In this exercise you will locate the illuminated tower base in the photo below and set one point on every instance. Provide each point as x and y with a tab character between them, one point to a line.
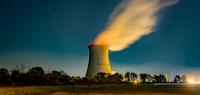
98	60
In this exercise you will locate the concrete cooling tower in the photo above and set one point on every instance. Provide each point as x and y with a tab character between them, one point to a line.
98	60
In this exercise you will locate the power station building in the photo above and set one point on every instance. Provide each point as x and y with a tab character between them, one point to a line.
98	60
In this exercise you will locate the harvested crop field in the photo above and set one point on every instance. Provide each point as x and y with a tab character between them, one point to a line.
103	90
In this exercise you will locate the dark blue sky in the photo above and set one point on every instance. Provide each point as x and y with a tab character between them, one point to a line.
55	34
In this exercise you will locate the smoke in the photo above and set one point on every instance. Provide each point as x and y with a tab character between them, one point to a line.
131	20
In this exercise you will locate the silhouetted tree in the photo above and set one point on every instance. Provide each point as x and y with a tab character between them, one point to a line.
146	78
56	78
4	76
156	79
149	78
130	76
16	77
20	68
159	79
101	76
183	78
143	78
115	78
127	76
52	78
162	78
75	80
133	76
85	79
36	75
65	79
177	79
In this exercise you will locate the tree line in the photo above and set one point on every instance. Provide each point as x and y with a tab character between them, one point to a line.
34	76
143	78
37	76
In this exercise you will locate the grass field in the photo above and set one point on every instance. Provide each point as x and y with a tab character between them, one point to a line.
102	90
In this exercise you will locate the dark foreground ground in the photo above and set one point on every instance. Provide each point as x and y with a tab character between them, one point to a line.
103	90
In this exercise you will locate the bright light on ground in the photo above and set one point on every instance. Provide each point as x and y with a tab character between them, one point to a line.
191	81
135	81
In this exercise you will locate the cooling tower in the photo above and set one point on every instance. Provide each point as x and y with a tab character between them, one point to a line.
98	60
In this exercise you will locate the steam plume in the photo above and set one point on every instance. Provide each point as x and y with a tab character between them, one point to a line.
131	20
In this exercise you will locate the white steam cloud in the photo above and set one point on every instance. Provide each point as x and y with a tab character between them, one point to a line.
131	20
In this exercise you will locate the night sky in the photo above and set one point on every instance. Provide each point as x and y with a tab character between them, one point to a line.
55	34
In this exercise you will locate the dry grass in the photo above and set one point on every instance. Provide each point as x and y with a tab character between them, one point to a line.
30	90
101	90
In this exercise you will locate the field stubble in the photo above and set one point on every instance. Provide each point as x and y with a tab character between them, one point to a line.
103	90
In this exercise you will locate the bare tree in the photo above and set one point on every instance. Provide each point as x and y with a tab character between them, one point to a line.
20	68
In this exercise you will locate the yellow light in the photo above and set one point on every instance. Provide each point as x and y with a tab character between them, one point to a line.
135	81
113	72
191	81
